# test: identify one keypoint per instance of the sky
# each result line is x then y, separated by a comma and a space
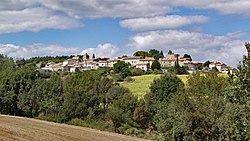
214, 30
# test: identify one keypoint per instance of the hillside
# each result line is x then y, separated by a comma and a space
26, 129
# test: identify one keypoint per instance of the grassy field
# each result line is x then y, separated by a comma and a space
140, 86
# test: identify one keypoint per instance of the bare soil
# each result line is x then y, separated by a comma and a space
26, 129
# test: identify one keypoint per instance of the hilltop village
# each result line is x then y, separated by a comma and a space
85, 62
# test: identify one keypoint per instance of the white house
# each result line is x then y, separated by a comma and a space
132, 60
147, 60
220, 66
102, 63
143, 66
69, 62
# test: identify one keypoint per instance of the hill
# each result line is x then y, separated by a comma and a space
26, 129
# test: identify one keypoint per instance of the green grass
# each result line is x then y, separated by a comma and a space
141, 85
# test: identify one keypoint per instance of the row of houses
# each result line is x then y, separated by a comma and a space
144, 63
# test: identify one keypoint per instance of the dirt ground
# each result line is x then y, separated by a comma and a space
26, 129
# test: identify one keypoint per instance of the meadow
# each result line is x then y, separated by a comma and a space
140, 85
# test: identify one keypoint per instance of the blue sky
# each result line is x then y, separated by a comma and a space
214, 30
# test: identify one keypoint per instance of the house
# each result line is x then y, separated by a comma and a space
143, 66
102, 63
53, 66
70, 62
171, 60
111, 62
147, 60
192, 65
220, 66
132, 60
166, 62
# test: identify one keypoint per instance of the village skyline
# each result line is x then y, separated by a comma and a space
209, 29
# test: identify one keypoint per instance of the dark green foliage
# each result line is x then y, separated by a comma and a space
170, 52
136, 71
238, 94
177, 69
164, 88
79, 99
123, 106
55, 59
141, 53
122, 68
206, 64
141, 115
156, 65
151, 53
195, 113
188, 56
155, 53
180, 70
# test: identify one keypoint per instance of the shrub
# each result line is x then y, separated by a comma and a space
129, 79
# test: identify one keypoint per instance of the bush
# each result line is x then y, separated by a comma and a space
129, 79
157, 71
117, 77
136, 72
91, 123
129, 130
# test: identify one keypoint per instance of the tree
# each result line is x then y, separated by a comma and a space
196, 113
155, 53
141, 53
187, 56
170, 52
123, 106
164, 88
238, 94
161, 54
80, 100
123, 68
93, 56
136, 71
156, 65
206, 64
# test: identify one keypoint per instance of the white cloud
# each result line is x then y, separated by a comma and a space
223, 6
103, 50
36, 50
161, 22
109, 8
200, 46
232, 7
34, 19
36, 15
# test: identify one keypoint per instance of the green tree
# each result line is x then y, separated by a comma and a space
141, 53
123, 68
156, 65
155, 53
123, 107
81, 95
188, 56
170, 52
162, 90
197, 112
238, 93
